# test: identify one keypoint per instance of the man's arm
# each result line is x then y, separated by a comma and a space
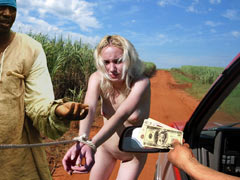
49, 117
182, 157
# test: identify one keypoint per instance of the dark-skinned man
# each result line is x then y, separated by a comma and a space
27, 105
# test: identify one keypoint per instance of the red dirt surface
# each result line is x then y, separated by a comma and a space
169, 103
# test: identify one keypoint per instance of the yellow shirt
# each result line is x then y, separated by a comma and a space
27, 108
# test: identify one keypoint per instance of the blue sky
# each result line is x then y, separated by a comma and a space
169, 33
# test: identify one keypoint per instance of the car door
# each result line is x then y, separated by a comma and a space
213, 142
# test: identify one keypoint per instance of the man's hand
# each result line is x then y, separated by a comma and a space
72, 111
181, 155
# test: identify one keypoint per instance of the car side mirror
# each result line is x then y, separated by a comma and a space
129, 143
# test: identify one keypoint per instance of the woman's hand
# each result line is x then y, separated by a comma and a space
78, 159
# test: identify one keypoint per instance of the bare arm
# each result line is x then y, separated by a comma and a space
182, 157
78, 151
91, 99
128, 106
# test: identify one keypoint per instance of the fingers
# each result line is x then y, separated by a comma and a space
186, 145
84, 106
80, 165
67, 162
79, 169
175, 143
75, 152
70, 157
73, 111
85, 161
83, 114
79, 159
89, 160
78, 111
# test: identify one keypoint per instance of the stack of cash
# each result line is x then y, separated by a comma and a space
154, 134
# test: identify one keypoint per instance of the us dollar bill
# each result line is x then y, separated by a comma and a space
153, 133
159, 137
147, 122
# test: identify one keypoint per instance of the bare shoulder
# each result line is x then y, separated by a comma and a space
142, 81
96, 77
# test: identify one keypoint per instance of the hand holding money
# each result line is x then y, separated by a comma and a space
154, 134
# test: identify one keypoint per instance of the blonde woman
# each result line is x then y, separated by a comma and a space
125, 101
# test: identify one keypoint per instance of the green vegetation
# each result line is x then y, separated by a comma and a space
231, 105
197, 90
201, 79
204, 74
70, 65
150, 69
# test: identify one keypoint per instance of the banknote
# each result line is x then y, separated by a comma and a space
151, 122
159, 137
154, 134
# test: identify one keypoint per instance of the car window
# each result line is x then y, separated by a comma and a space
229, 111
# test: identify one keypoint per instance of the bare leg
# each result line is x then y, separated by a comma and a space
104, 164
130, 170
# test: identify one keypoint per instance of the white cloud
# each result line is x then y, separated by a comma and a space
231, 14
212, 24
39, 26
215, 1
179, 26
161, 36
191, 9
213, 31
236, 34
29, 20
164, 3
35, 25
161, 39
77, 11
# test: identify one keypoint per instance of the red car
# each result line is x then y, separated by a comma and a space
212, 134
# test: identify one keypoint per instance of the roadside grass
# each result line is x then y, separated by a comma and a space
198, 90
201, 84
231, 105
150, 69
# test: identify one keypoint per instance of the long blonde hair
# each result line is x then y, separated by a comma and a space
133, 67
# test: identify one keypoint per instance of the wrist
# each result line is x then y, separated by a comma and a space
84, 139
191, 166
56, 104
95, 142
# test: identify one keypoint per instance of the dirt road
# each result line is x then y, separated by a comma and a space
169, 103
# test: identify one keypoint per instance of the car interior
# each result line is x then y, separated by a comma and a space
212, 134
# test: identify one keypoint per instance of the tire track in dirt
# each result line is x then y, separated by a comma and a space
169, 103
